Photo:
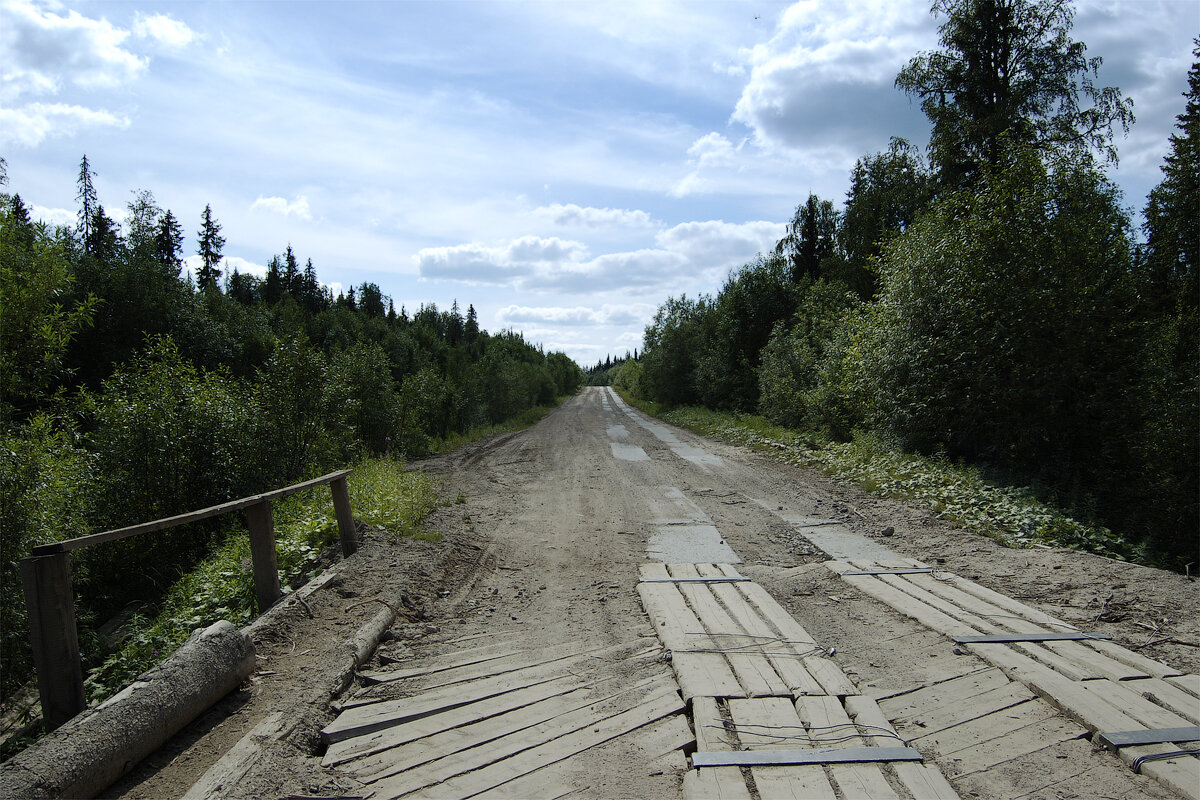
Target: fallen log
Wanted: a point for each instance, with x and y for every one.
(91, 751)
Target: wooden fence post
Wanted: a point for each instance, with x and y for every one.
(50, 599)
(262, 551)
(341, 505)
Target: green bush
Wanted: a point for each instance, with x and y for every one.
(46, 495)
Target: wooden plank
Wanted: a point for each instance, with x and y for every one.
(756, 721)
(770, 609)
(981, 730)
(1020, 610)
(524, 727)
(367, 744)
(218, 781)
(657, 746)
(1088, 658)
(480, 669)
(1189, 683)
(451, 661)
(976, 625)
(389, 713)
(68, 545)
(1002, 749)
(719, 783)
(923, 781)
(1168, 695)
(500, 771)
(768, 723)
(706, 674)
(904, 706)
(825, 672)
(790, 783)
(1150, 714)
(709, 725)
(754, 672)
(830, 676)
(867, 781)
(1085, 707)
(785, 656)
(1040, 636)
(946, 715)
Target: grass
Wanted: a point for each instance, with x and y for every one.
(954, 492)
(383, 493)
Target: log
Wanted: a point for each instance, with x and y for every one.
(90, 752)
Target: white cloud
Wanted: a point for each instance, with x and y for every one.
(536, 250)
(32, 123)
(826, 76)
(42, 49)
(639, 313)
(572, 215)
(498, 266)
(192, 264)
(715, 244)
(279, 205)
(53, 216)
(546, 265)
(710, 152)
(712, 149)
(165, 30)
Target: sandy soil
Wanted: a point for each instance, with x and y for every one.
(543, 533)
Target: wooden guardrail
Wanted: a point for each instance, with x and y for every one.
(50, 598)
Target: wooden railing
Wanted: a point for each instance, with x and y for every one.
(50, 598)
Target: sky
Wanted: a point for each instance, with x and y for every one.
(564, 167)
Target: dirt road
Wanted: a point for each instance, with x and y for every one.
(544, 533)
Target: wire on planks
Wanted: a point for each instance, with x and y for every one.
(775, 734)
(1136, 766)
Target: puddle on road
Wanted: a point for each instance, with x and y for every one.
(690, 544)
(618, 433)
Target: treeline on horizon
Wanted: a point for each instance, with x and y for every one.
(131, 392)
(993, 305)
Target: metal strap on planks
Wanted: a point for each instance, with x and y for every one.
(722, 579)
(903, 571)
(820, 755)
(1029, 637)
(1114, 740)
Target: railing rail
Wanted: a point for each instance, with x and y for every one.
(50, 598)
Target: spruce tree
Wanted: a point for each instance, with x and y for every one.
(211, 243)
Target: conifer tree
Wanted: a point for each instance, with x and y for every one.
(211, 244)
(86, 195)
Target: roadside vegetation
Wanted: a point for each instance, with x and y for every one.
(956, 492)
(131, 390)
(989, 311)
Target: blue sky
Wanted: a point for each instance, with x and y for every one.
(563, 166)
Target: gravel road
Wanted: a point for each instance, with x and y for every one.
(543, 534)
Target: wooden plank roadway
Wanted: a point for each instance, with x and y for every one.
(1097, 683)
(494, 723)
(757, 680)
